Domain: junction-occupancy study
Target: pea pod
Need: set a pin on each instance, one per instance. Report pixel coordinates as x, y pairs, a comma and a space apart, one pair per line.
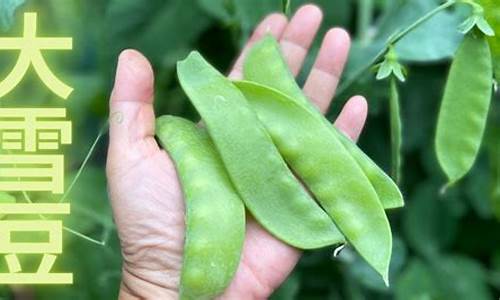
395, 130
265, 65
464, 108
315, 153
215, 214
268, 188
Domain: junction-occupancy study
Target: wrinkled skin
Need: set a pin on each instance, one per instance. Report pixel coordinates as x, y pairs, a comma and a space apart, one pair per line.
146, 197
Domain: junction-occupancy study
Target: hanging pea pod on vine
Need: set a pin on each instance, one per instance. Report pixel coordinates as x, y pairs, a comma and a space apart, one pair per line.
391, 68
466, 101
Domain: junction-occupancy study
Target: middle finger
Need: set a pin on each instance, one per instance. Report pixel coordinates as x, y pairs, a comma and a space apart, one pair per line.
299, 35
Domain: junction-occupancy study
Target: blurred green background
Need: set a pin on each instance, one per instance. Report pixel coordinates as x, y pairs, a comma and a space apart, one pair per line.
445, 246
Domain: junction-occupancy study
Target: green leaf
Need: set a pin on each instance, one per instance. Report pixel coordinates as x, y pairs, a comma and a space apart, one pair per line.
219, 9
445, 277
477, 189
7, 10
384, 71
398, 71
460, 278
428, 223
467, 25
434, 40
416, 283
288, 289
390, 65
492, 14
485, 27
494, 159
476, 21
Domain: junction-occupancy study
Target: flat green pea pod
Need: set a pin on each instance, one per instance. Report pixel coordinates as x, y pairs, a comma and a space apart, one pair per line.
388, 192
265, 65
464, 108
267, 186
215, 214
317, 156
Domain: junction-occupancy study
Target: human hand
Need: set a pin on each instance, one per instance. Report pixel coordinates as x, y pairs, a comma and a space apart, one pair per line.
146, 196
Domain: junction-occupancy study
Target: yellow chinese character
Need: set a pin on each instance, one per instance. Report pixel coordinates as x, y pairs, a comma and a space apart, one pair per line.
32, 129
32, 173
49, 249
29, 130
30, 46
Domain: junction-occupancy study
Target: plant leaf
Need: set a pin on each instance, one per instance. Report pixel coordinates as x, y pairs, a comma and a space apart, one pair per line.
384, 71
485, 27
467, 25
434, 40
7, 10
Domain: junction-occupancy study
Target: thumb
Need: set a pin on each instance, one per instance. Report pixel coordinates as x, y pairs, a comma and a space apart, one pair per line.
132, 118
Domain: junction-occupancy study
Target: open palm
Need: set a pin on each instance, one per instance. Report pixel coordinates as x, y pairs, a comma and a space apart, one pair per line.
146, 196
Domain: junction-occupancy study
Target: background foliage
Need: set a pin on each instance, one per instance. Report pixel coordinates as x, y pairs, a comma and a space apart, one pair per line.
446, 246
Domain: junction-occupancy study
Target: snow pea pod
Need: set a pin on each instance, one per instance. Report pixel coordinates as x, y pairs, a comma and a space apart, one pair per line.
215, 214
396, 135
464, 107
265, 65
388, 192
316, 155
261, 177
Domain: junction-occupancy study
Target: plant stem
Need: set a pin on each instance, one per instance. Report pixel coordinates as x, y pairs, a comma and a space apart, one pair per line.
394, 39
286, 7
365, 14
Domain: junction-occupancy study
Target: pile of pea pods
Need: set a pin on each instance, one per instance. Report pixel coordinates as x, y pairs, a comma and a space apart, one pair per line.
263, 146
